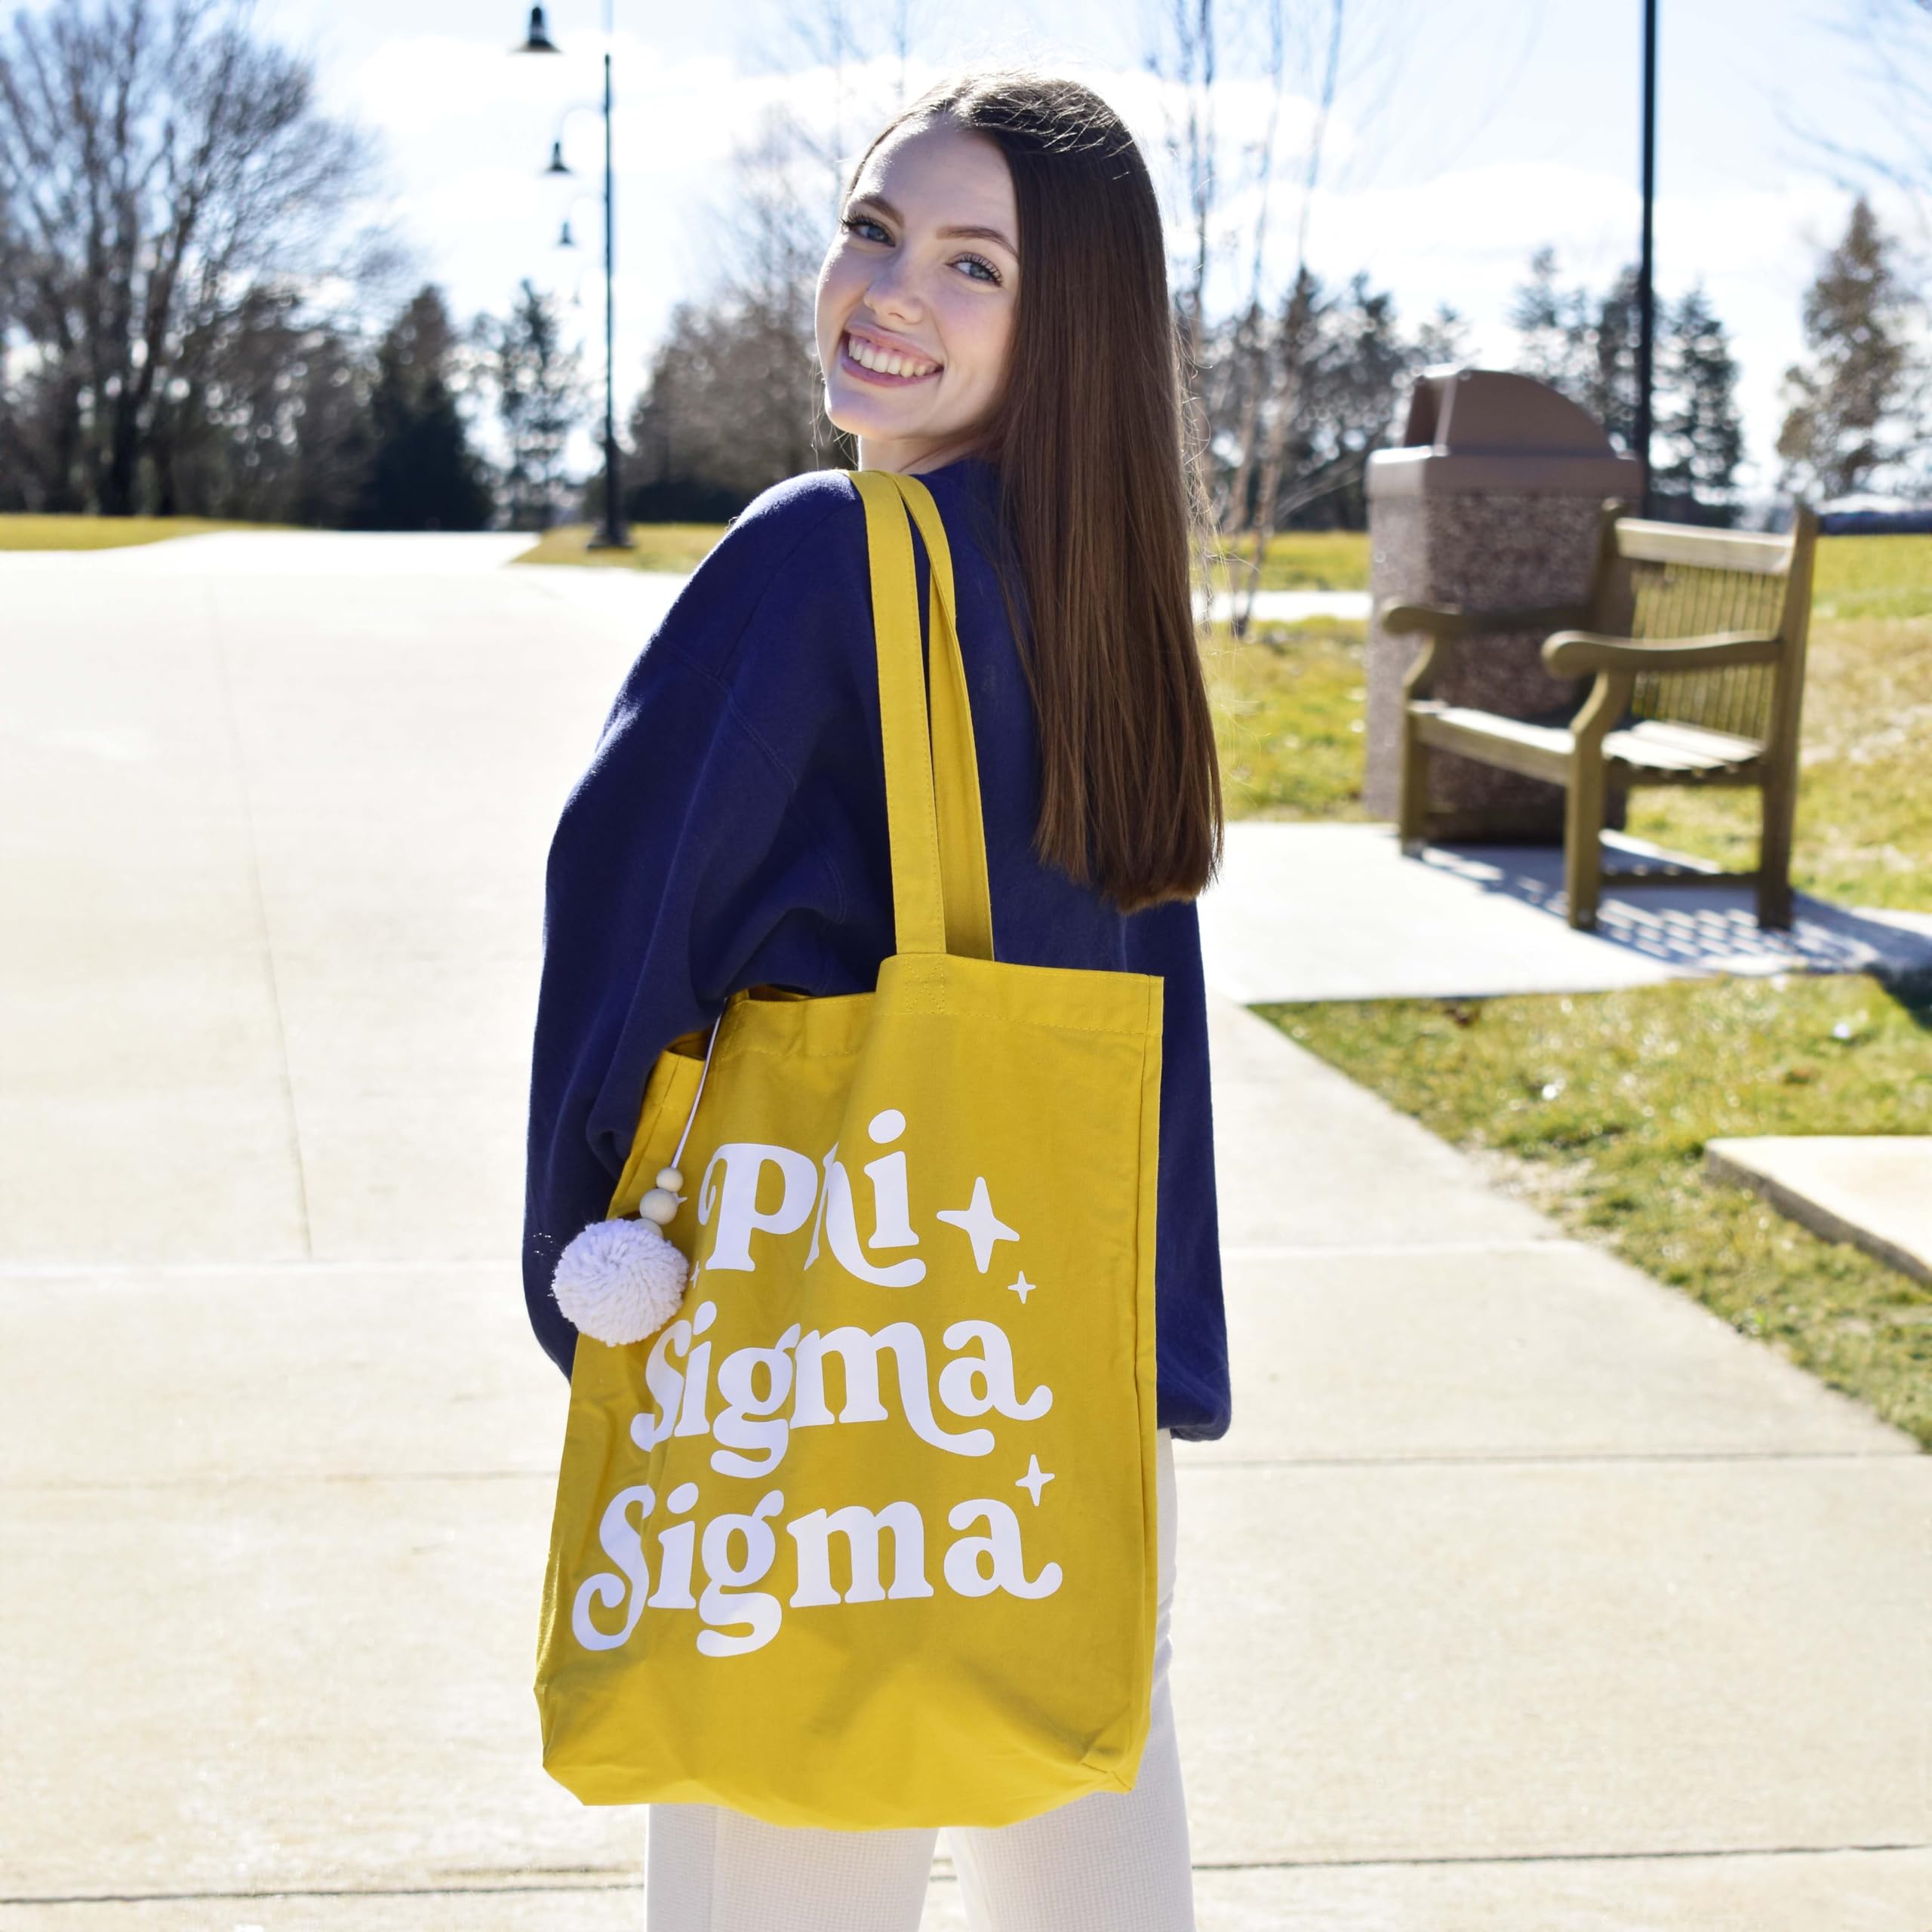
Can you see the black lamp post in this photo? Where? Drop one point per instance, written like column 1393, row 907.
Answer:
column 1646, row 314
column 612, row 535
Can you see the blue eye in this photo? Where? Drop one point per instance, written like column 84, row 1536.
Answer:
column 985, row 272
column 853, row 224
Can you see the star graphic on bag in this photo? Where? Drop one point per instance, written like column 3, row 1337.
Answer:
column 1023, row 1287
column 1034, row 1481
column 982, row 1227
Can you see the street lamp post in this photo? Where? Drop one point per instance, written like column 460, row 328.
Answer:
column 1646, row 262
column 612, row 535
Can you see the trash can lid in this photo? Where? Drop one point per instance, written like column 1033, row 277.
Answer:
column 1481, row 430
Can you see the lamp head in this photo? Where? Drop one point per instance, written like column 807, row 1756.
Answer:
column 538, row 40
column 557, row 164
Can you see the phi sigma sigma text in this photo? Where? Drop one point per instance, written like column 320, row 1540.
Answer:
column 749, row 1402
column 756, row 1384
column 740, row 1619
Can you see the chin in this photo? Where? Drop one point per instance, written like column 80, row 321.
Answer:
column 863, row 417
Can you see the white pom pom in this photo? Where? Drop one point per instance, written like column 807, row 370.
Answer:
column 619, row 1281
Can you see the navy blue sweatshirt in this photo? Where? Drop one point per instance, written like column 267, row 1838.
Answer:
column 731, row 832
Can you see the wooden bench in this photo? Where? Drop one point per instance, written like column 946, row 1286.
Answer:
column 1695, row 642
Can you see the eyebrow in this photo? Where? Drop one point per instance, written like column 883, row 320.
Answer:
column 977, row 234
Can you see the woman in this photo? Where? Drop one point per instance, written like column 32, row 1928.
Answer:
column 993, row 318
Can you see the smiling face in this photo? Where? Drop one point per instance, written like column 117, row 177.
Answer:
column 916, row 298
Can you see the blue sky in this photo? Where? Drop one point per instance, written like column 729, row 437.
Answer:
column 1467, row 133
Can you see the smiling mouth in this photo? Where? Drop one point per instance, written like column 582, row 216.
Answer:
column 893, row 367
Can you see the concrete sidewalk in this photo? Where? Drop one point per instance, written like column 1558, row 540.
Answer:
column 1524, row 1596
column 1335, row 912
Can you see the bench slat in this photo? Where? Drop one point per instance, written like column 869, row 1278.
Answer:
column 1710, row 549
column 1668, row 752
column 1723, row 747
column 1534, row 751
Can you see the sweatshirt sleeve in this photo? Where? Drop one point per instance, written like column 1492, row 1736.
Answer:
column 686, row 864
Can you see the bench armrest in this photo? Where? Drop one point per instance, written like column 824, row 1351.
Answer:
column 1573, row 654
column 1452, row 620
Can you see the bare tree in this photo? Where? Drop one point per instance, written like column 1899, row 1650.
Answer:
column 906, row 23
column 1291, row 343
column 1186, row 56
column 1249, row 350
column 735, row 398
column 1894, row 39
column 1227, row 179
column 161, row 166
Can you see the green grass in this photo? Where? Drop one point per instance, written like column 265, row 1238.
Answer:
column 1864, row 799
column 1297, row 560
column 103, row 533
column 1303, row 560
column 681, row 547
column 1289, row 715
column 1288, row 703
column 1596, row 1108
column 1873, row 577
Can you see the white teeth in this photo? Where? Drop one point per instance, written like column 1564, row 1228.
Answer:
column 886, row 361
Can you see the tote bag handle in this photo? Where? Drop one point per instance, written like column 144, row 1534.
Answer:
column 941, row 900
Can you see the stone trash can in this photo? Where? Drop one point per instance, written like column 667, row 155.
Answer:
column 1492, row 502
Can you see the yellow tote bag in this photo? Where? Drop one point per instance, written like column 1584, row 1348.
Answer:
column 865, row 1536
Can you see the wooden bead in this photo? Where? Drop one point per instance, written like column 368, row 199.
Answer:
column 670, row 1179
column 660, row 1205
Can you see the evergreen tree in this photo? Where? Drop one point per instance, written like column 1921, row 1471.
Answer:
column 333, row 450
column 539, row 396
column 1582, row 344
column 1700, row 432
column 1846, row 424
column 1612, row 395
column 422, row 474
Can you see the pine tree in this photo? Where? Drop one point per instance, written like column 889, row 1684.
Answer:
column 1554, row 326
column 1700, row 432
column 1612, row 395
column 422, row 474
column 1851, row 399
column 539, row 394
column 1581, row 343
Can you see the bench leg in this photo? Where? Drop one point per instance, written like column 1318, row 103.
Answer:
column 1779, row 800
column 1582, row 841
column 1412, row 804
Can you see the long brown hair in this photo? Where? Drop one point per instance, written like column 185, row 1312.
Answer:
column 1095, row 503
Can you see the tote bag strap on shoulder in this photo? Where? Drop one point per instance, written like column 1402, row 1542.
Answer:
column 941, row 899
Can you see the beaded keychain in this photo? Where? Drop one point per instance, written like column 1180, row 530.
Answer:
column 619, row 1282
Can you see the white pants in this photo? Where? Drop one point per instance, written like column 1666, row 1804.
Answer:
column 1111, row 1862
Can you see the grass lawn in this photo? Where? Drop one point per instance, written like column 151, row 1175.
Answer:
column 681, row 547
column 103, row 533
column 1289, row 709
column 1596, row 1109
column 1297, row 560
column 1865, row 804
column 1307, row 560
column 1287, row 706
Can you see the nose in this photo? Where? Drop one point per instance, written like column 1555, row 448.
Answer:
column 892, row 296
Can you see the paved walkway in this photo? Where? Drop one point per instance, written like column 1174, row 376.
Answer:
column 1524, row 1596
column 1335, row 912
